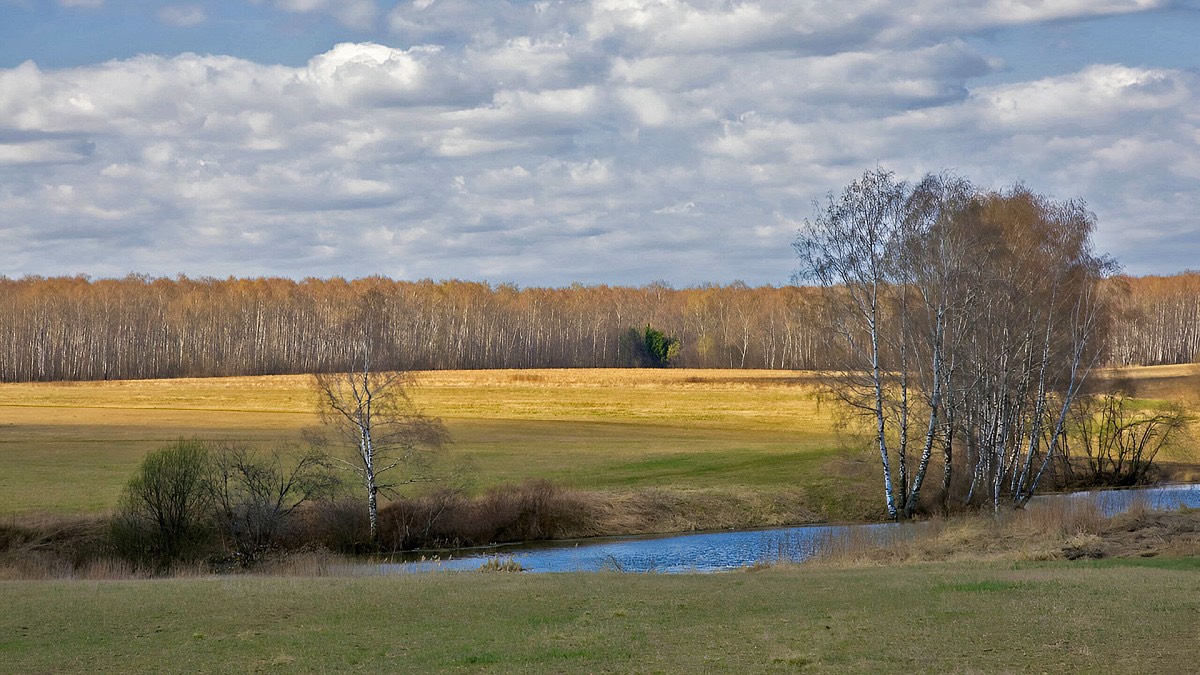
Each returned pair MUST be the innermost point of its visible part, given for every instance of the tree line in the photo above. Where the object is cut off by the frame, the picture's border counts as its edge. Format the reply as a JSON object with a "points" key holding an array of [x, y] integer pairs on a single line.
{"points": [[75, 328]]}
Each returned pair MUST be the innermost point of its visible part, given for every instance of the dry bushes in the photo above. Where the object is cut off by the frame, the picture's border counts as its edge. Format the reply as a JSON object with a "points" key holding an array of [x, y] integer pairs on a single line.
{"points": [[54, 546], [447, 518], [1049, 530], [539, 510]]}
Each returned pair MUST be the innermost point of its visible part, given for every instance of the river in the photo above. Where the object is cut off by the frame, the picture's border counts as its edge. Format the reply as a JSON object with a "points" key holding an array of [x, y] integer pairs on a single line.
{"points": [[726, 550]]}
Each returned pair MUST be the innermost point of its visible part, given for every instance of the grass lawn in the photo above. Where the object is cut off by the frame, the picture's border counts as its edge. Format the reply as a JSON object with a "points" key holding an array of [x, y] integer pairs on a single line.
{"points": [[1120, 616]]}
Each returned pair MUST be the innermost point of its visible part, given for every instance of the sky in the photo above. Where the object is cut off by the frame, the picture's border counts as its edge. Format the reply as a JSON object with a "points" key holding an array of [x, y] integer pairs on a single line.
{"points": [[549, 142]]}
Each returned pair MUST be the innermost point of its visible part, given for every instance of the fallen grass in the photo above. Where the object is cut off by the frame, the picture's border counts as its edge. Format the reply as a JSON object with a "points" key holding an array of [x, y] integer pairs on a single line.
{"points": [[936, 617], [1061, 529]]}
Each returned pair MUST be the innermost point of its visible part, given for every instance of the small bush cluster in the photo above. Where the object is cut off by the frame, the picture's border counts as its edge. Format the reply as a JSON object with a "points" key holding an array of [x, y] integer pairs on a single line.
{"points": [[498, 564], [166, 512], [193, 501]]}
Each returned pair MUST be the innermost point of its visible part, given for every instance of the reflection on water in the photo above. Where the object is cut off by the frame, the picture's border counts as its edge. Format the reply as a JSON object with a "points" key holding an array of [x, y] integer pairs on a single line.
{"points": [[718, 551]]}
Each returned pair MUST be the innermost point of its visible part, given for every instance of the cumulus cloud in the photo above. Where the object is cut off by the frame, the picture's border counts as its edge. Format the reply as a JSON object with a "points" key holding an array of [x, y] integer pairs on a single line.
{"points": [[554, 141]]}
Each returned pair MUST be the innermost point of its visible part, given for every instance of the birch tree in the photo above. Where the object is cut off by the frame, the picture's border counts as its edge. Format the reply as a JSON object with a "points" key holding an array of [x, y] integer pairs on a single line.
{"points": [[936, 262], [980, 311], [846, 248], [390, 440]]}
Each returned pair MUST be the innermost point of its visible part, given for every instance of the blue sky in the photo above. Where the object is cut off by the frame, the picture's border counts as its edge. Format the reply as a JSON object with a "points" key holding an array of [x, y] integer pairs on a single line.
{"points": [[542, 143]]}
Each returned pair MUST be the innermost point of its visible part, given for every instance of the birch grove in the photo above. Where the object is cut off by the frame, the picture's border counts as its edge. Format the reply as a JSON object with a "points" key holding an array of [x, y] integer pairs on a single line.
{"points": [[140, 327], [964, 323]]}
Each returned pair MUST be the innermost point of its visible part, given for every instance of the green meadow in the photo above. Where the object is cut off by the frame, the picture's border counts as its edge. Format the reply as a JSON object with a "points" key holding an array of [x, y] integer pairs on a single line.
{"points": [[1135, 616]]}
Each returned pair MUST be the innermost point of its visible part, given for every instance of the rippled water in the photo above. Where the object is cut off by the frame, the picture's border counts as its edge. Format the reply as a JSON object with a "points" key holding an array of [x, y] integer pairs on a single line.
{"points": [[718, 551], [1112, 502]]}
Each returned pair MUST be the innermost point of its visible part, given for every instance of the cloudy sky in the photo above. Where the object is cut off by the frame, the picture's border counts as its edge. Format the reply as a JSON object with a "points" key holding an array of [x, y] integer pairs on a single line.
{"points": [[555, 141]]}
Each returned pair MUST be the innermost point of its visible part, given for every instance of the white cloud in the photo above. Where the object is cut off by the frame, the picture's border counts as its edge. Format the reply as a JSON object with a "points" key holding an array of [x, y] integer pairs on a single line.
{"points": [[1095, 97], [651, 108], [614, 140]]}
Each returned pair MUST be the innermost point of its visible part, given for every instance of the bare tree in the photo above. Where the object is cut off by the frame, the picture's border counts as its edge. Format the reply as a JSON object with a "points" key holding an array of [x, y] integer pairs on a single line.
{"points": [[392, 439], [936, 263], [845, 248], [255, 494], [1116, 439]]}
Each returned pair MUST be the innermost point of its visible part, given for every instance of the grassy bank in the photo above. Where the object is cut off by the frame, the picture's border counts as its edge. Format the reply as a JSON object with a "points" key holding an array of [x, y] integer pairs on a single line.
{"points": [[1122, 616], [1053, 530]]}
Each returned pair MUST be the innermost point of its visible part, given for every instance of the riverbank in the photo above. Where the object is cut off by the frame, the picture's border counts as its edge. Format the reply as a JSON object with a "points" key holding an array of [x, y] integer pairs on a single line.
{"points": [[1162, 521], [1061, 529]]}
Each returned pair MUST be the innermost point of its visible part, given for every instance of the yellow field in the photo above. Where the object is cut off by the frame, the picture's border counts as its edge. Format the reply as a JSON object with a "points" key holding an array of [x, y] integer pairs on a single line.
{"points": [[68, 447]]}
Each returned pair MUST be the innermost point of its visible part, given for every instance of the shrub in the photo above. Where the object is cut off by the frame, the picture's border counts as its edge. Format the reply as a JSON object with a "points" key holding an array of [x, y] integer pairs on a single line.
{"points": [[649, 347], [192, 499], [254, 496], [165, 514], [338, 525], [1115, 440], [498, 564]]}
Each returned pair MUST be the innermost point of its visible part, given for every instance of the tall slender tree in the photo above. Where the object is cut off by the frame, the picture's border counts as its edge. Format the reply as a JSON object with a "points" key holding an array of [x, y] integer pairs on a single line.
{"points": [[389, 438], [846, 249]]}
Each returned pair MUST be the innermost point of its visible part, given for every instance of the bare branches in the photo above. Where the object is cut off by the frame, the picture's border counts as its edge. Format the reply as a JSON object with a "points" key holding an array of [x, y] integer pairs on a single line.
{"points": [[1117, 440], [978, 311], [255, 494], [392, 439], [846, 250]]}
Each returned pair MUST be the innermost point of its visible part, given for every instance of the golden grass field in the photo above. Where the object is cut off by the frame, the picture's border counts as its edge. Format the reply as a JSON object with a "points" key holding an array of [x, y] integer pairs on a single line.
{"points": [[70, 447]]}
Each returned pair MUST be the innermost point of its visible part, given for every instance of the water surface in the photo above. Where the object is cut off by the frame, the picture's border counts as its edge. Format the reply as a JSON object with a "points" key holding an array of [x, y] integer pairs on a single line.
{"points": [[720, 551]]}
